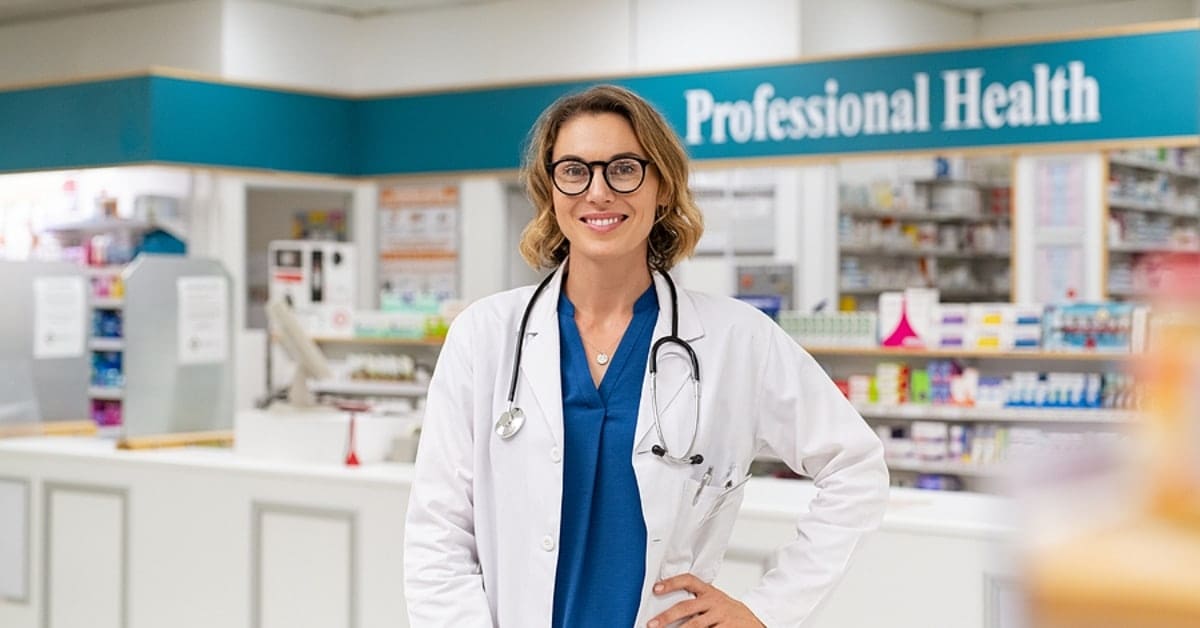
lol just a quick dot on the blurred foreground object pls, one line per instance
(1142, 570)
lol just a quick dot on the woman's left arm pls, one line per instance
(805, 420)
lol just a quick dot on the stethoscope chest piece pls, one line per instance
(509, 423)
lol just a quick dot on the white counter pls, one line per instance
(206, 538)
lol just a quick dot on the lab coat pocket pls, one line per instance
(713, 539)
(694, 525)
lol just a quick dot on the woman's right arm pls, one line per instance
(442, 580)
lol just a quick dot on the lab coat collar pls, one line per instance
(540, 362)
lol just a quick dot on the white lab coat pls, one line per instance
(481, 540)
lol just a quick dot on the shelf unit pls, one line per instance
(996, 415)
(105, 399)
(424, 352)
(379, 340)
(1153, 207)
(963, 217)
(965, 469)
(369, 388)
(901, 353)
(994, 425)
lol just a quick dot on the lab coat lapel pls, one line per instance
(540, 364)
(690, 329)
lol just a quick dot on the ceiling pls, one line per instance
(28, 10)
(996, 6)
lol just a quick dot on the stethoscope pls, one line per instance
(513, 419)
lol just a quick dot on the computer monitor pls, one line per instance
(310, 362)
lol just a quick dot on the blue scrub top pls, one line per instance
(602, 540)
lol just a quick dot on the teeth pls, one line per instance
(603, 222)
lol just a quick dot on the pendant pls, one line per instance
(601, 358)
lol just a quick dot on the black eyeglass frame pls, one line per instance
(591, 166)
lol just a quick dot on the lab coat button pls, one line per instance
(556, 455)
(548, 543)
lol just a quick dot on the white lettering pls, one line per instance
(967, 99)
(816, 118)
(902, 112)
(995, 100)
(1058, 96)
(741, 123)
(1085, 94)
(799, 123)
(875, 105)
(831, 92)
(1041, 94)
(777, 112)
(699, 109)
(1020, 110)
(762, 95)
(921, 83)
(850, 115)
(720, 117)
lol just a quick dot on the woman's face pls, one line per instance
(600, 223)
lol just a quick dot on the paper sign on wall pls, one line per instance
(203, 320)
(59, 317)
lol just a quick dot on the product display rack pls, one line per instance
(995, 415)
(424, 352)
(1153, 208)
(105, 394)
(1002, 427)
(379, 340)
(903, 353)
(933, 246)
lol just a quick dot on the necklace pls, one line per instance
(603, 357)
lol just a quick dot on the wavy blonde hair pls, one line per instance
(678, 223)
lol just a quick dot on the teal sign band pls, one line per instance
(68, 126)
(1098, 89)
(229, 125)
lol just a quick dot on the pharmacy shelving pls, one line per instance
(864, 250)
(378, 340)
(369, 388)
(923, 216)
(341, 350)
(97, 343)
(946, 233)
(966, 469)
(987, 427)
(104, 281)
(1153, 208)
(1142, 163)
(105, 393)
(996, 415)
(903, 353)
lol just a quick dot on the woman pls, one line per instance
(547, 494)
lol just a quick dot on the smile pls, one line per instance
(603, 221)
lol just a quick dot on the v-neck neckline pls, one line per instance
(616, 361)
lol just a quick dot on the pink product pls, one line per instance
(102, 287)
(106, 412)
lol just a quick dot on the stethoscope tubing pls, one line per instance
(660, 449)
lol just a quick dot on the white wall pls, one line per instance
(274, 44)
(1073, 18)
(184, 35)
(852, 26)
(489, 43)
(672, 35)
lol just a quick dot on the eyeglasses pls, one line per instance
(573, 176)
